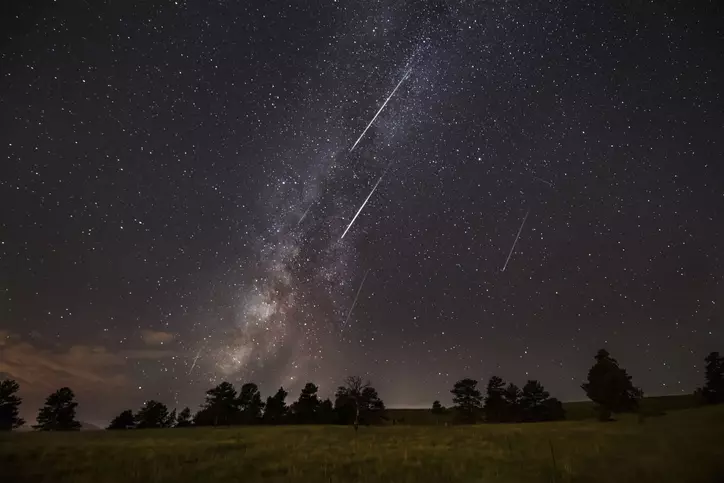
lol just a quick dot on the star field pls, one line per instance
(176, 178)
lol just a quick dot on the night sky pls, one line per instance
(176, 178)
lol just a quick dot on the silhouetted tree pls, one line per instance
(348, 400)
(9, 405)
(184, 418)
(511, 408)
(552, 410)
(58, 414)
(305, 410)
(220, 408)
(437, 410)
(170, 421)
(494, 407)
(533, 397)
(713, 390)
(250, 404)
(153, 414)
(326, 414)
(275, 411)
(358, 402)
(372, 408)
(467, 401)
(125, 420)
(610, 387)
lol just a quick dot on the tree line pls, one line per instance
(356, 402)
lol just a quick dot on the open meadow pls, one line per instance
(682, 446)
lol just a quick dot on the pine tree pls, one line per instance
(511, 408)
(532, 399)
(610, 387)
(494, 407)
(184, 418)
(153, 414)
(220, 408)
(9, 405)
(170, 421)
(250, 404)
(275, 411)
(125, 420)
(306, 408)
(467, 401)
(58, 414)
(437, 410)
(713, 390)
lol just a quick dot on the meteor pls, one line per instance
(195, 359)
(356, 297)
(516, 240)
(305, 214)
(380, 110)
(363, 205)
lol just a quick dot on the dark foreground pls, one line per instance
(682, 446)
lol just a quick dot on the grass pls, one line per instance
(682, 446)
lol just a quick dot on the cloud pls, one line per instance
(81, 367)
(157, 337)
(147, 354)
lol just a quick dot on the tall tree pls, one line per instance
(250, 404)
(610, 387)
(467, 400)
(305, 410)
(325, 413)
(153, 414)
(512, 410)
(170, 421)
(58, 413)
(348, 398)
(494, 407)
(184, 418)
(9, 405)
(713, 390)
(220, 408)
(532, 401)
(358, 402)
(437, 410)
(125, 420)
(275, 411)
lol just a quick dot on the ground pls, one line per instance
(682, 446)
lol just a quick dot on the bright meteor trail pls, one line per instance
(356, 297)
(516, 240)
(363, 205)
(380, 110)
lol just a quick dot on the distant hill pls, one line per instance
(575, 411)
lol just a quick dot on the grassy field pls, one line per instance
(682, 446)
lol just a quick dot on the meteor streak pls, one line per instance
(516, 240)
(380, 110)
(355, 298)
(363, 205)
(195, 359)
(305, 214)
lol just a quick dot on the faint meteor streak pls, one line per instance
(516, 240)
(304, 215)
(196, 358)
(380, 110)
(543, 181)
(356, 297)
(363, 205)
